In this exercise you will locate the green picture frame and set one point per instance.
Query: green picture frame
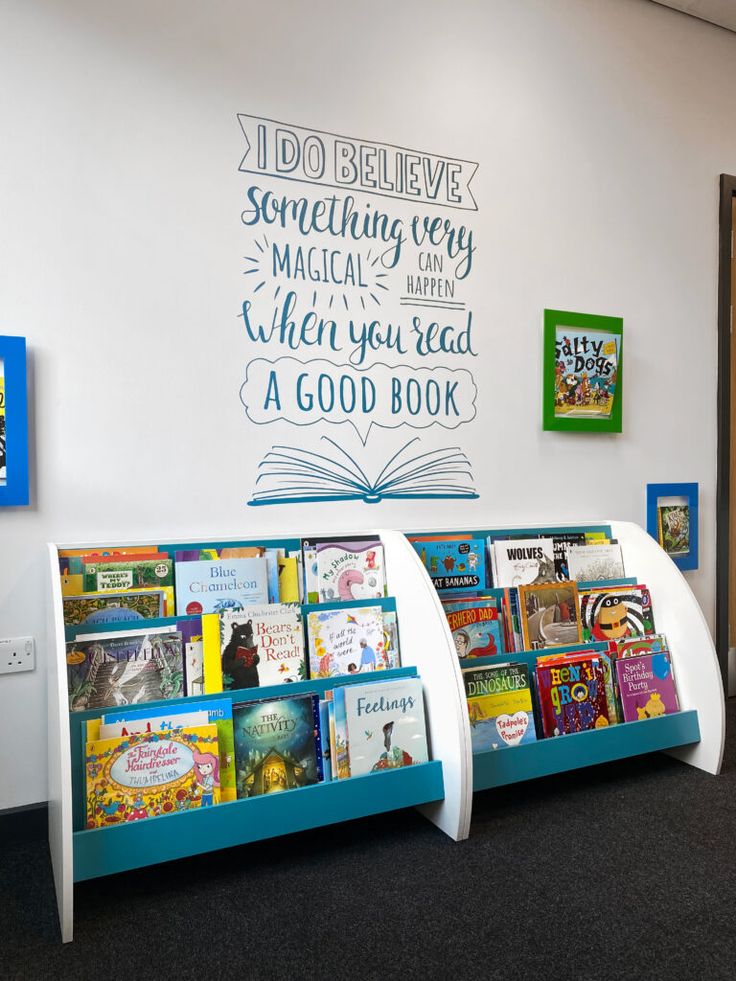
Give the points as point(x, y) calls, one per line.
point(575, 417)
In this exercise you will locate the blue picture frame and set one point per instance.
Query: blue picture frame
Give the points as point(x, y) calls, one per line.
point(655, 493)
point(14, 490)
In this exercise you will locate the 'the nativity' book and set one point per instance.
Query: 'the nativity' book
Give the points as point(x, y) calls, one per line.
point(647, 686)
point(148, 774)
point(346, 641)
point(124, 668)
point(385, 725)
point(214, 585)
point(262, 645)
point(276, 744)
point(499, 706)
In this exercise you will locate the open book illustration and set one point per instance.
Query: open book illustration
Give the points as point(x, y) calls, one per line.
point(289, 474)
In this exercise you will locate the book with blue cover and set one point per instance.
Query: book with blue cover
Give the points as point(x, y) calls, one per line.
point(214, 585)
point(277, 744)
point(475, 626)
point(457, 564)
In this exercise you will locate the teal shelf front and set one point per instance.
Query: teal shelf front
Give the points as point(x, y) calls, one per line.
point(121, 847)
point(547, 756)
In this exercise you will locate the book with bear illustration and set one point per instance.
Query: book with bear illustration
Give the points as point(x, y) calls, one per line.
point(262, 645)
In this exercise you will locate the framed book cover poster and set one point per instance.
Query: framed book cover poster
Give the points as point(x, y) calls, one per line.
point(582, 372)
point(672, 519)
point(13, 422)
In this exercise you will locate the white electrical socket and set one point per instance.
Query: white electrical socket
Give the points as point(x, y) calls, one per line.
point(17, 654)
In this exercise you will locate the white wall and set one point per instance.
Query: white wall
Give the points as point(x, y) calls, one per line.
point(600, 126)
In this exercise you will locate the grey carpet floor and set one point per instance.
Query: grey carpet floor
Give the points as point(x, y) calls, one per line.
point(626, 870)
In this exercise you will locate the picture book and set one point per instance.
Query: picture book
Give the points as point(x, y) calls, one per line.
point(391, 647)
point(454, 564)
point(109, 607)
point(562, 542)
point(216, 711)
point(595, 563)
point(271, 555)
point(572, 695)
point(673, 527)
point(339, 734)
point(616, 612)
point(586, 370)
point(145, 775)
point(523, 561)
point(346, 641)
point(288, 580)
point(311, 581)
point(350, 570)
point(113, 573)
point(499, 706)
point(636, 646)
point(262, 645)
point(609, 675)
point(214, 585)
point(124, 669)
point(324, 739)
point(549, 615)
point(71, 560)
point(385, 725)
point(475, 626)
point(276, 744)
point(647, 686)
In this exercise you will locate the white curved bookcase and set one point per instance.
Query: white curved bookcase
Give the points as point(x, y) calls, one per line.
point(442, 789)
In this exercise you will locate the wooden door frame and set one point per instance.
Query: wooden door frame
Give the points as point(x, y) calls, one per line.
point(726, 230)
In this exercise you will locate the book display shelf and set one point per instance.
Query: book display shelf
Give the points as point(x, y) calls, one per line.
point(694, 735)
point(441, 789)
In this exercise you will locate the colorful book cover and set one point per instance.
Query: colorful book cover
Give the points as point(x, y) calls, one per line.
point(108, 607)
point(350, 570)
point(345, 641)
point(311, 580)
point(140, 776)
point(616, 613)
point(216, 711)
point(475, 627)
point(549, 615)
point(572, 696)
point(71, 560)
point(324, 739)
point(276, 744)
point(214, 585)
point(647, 686)
point(595, 563)
point(523, 561)
point(499, 706)
point(262, 645)
point(124, 669)
point(673, 524)
point(454, 564)
point(385, 725)
point(637, 646)
point(339, 735)
point(194, 666)
point(586, 369)
point(289, 580)
point(113, 574)
point(391, 647)
point(562, 542)
point(607, 659)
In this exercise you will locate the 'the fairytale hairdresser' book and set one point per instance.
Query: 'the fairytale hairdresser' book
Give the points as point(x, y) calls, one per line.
point(385, 725)
point(647, 686)
point(214, 585)
point(148, 774)
point(499, 706)
point(347, 641)
point(124, 668)
point(549, 615)
point(262, 645)
point(457, 564)
point(572, 694)
point(475, 626)
point(276, 744)
point(350, 570)
point(616, 612)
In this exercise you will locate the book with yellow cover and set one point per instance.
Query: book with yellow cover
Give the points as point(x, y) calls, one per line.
point(151, 773)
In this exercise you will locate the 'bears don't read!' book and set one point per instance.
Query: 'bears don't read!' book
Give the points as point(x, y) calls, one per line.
point(499, 706)
point(346, 641)
point(262, 645)
point(124, 668)
point(385, 725)
point(276, 744)
point(140, 776)
point(351, 570)
point(475, 626)
point(453, 564)
point(214, 585)
point(647, 686)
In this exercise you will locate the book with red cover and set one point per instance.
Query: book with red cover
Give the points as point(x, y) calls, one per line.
point(572, 696)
